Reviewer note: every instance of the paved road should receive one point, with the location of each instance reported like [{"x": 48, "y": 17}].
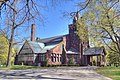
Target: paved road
[{"x": 61, "y": 73}]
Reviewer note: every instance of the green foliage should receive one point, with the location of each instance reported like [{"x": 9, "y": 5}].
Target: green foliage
[
  {"x": 4, "y": 44},
  {"x": 82, "y": 30},
  {"x": 114, "y": 58},
  {"x": 19, "y": 67},
  {"x": 102, "y": 19},
  {"x": 112, "y": 72},
  {"x": 71, "y": 61},
  {"x": 3, "y": 49}
]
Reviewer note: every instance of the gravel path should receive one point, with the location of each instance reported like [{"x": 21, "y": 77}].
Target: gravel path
[{"x": 61, "y": 73}]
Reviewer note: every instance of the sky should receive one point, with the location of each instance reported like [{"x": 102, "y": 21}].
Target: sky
[{"x": 54, "y": 22}]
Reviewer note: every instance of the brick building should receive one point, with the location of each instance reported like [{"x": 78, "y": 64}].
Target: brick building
[{"x": 58, "y": 49}]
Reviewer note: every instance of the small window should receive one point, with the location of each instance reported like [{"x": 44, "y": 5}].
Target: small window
[{"x": 52, "y": 57}]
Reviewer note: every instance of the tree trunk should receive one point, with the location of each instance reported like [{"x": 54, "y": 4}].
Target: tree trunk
[
  {"x": 12, "y": 36},
  {"x": 10, "y": 49},
  {"x": 64, "y": 56}
]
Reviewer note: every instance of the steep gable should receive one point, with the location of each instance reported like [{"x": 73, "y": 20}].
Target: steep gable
[
  {"x": 36, "y": 46},
  {"x": 26, "y": 49}
]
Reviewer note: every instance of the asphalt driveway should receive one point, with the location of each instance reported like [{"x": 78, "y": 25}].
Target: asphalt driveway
[{"x": 58, "y": 73}]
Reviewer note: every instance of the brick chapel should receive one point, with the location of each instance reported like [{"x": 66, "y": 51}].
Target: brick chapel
[{"x": 59, "y": 49}]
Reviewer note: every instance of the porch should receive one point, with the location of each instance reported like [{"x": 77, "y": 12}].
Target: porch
[{"x": 95, "y": 56}]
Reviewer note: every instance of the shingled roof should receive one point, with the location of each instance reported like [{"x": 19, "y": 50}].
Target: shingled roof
[
  {"x": 51, "y": 39},
  {"x": 94, "y": 51}
]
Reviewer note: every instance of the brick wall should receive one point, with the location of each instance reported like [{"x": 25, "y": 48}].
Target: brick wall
[
  {"x": 54, "y": 55},
  {"x": 73, "y": 37}
]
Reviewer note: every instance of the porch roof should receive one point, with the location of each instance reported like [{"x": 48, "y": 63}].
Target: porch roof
[{"x": 94, "y": 51}]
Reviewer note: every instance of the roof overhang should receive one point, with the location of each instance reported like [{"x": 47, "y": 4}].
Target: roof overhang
[{"x": 94, "y": 51}]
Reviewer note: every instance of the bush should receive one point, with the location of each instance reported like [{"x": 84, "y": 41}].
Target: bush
[
  {"x": 114, "y": 58},
  {"x": 71, "y": 61}
]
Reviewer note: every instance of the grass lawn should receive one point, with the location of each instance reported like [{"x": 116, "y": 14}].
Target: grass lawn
[
  {"x": 111, "y": 72},
  {"x": 20, "y": 67}
]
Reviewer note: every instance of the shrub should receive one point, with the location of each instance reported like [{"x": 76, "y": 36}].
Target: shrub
[
  {"x": 114, "y": 58},
  {"x": 71, "y": 61}
]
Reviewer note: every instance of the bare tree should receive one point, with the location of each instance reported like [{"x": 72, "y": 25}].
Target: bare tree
[{"x": 18, "y": 12}]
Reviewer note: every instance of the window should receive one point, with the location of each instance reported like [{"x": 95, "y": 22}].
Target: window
[
  {"x": 52, "y": 57},
  {"x": 55, "y": 57},
  {"x": 58, "y": 57}
]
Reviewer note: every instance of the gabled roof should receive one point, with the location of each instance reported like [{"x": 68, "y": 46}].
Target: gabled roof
[
  {"x": 52, "y": 39},
  {"x": 94, "y": 51},
  {"x": 38, "y": 47}
]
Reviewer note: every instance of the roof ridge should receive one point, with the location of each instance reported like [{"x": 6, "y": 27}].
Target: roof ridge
[{"x": 54, "y": 36}]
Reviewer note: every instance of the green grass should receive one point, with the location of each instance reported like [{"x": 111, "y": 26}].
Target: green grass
[
  {"x": 111, "y": 72},
  {"x": 23, "y": 67},
  {"x": 20, "y": 67}
]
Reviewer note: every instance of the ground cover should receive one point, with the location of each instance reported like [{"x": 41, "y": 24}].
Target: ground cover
[{"x": 110, "y": 71}]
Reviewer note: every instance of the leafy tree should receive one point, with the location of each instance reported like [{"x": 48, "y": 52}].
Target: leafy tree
[
  {"x": 17, "y": 12},
  {"x": 82, "y": 29},
  {"x": 102, "y": 18},
  {"x": 113, "y": 56},
  {"x": 4, "y": 50}
]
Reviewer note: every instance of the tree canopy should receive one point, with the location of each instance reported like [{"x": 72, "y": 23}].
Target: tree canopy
[
  {"x": 4, "y": 44},
  {"x": 102, "y": 17}
]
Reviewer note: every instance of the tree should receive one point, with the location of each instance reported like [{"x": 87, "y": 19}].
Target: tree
[
  {"x": 2, "y": 2},
  {"x": 4, "y": 50},
  {"x": 82, "y": 29},
  {"x": 64, "y": 56},
  {"x": 18, "y": 12},
  {"x": 113, "y": 56},
  {"x": 102, "y": 17}
]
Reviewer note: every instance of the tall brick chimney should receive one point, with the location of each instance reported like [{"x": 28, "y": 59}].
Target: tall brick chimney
[{"x": 33, "y": 32}]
